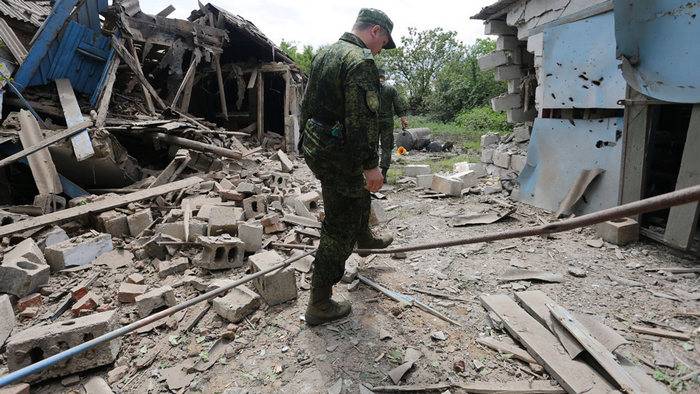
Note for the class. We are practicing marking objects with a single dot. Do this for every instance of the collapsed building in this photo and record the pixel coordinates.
(608, 103)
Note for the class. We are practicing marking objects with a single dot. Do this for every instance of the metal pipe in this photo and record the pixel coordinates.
(198, 146)
(678, 197)
(66, 354)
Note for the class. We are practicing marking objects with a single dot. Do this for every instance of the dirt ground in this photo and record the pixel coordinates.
(274, 351)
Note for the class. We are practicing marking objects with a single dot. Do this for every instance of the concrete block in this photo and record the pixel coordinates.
(521, 133)
(513, 86)
(507, 73)
(518, 115)
(237, 304)
(619, 232)
(298, 207)
(425, 181)
(286, 164)
(468, 178)
(487, 156)
(274, 287)
(21, 276)
(20, 388)
(494, 59)
(489, 139)
(510, 43)
(135, 278)
(221, 252)
(499, 28)
(40, 342)
(114, 223)
(177, 229)
(50, 237)
(251, 234)
(255, 206)
(172, 267)
(301, 221)
(377, 214)
(129, 291)
(50, 202)
(246, 188)
(7, 318)
(506, 101)
(272, 224)
(478, 168)
(155, 299)
(518, 162)
(446, 185)
(26, 250)
(417, 169)
(225, 220)
(79, 250)
(310, 199)
(138, 221)
(501, 159)
(279, 180)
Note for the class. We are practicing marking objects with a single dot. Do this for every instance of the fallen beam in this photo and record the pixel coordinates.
(40, 163)
(99, 206)
(133, 65)
(198, 146)
(71, 131)
(516, 387)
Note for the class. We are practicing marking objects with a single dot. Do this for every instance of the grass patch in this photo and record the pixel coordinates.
(447, 164)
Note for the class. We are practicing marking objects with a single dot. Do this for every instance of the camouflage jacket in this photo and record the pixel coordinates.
(341, 104)
(390, 103)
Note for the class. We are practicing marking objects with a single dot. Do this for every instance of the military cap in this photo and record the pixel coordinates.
(377, 17)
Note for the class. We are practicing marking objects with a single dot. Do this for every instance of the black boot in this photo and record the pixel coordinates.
(369, 240)
(322, 309)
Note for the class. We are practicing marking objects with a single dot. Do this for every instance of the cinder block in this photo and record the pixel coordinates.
(500, 28)
(521, 133)
(279, 180)
(155, 299)
(507, 73)
(494, 59)
(468, 178)
(487, 156)
(172, 267)
(246, 188)
(272, 224)
(254, 206)
(510, 43)
(446, 185)
(299, 208)
(506, 101)
(224, 220)
(7, 318)
(40, 342)
(414, 170)
(310, 199)
(50, 202)
(139, 221)
(251, 234)
(129, 291)
(513, 86)
(50, 237)
(286, 164)
(26, 250)
(619, 232)
(113, 223)
(177, 229)
(489, 139)
(478, 168)
(518, 162)
(501, 159)
(377, 214)
(518, 115)
(221, 252)
(80, 250)
(425, 181)
(275, 287)
(237, 304)
(21, 276)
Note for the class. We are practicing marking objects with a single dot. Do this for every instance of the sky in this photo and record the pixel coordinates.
(318, 22)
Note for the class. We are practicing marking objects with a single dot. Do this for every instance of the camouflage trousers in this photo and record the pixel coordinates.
(346, 204)
(386, 139)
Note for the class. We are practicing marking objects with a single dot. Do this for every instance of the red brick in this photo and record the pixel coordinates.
(32, 300)
(86, 304)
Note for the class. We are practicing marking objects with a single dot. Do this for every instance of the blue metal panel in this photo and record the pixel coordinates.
(579, 66)
(559, 150)
(89, 14)
(658, 44)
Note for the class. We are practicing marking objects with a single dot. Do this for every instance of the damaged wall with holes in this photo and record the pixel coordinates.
(593, 64)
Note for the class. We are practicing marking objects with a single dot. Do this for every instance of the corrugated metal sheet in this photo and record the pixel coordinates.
(658, 44)
(580, 69)
(559, 150)
(12, 42)
(33, 12)
(496, 9)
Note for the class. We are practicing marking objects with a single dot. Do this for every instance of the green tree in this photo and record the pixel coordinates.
(302, 58)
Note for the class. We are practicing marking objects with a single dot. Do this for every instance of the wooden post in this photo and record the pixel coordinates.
(106, 97)
(220, 80)
(189, 74)
(683, 220)
(261, 105)
(146, 95)
(635, 141)
(131, 62)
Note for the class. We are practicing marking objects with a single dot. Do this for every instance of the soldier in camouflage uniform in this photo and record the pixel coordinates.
(339, 114)
(390, 103)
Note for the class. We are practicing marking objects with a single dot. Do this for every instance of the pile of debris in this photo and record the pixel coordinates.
(506, 157)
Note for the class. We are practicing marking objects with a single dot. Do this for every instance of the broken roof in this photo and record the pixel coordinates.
(494, 10)
(33, 12)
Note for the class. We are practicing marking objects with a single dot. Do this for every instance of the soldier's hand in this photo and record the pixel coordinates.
(374, 179)
(404, 122)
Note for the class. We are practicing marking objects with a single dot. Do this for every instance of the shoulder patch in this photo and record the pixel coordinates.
(367, 54)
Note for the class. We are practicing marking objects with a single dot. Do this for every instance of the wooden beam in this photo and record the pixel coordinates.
(82, 145)
(635, 141)
(657, 332)
(185, 80)
(146, 95)
(683, 220)
(71, 131)
(573, 375)
(503, 347)
(42, 166)
(198, 146)
(98, 206)
(596, 349)
(106, 96)
(253, 79)
(131, 62)
(220, 81)
(261, 106)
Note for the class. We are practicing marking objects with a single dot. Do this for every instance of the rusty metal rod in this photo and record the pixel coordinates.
(667, 200)
(198, 146)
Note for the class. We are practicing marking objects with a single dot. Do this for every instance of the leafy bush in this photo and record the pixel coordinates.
(483, 119)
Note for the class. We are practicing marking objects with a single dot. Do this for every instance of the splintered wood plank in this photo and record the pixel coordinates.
(98, 206)
(40, 163)
(502, 347)
(657, 332)
(574, 376)
(82, 146)
(146, 95)
(596, 349)
(133, 65)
